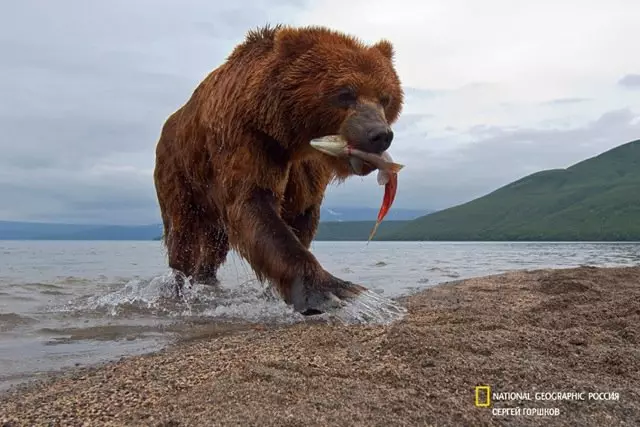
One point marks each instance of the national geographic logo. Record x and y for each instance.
(483, 396)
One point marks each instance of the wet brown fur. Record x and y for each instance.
(234, 168)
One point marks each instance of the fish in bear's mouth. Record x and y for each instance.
(335, 145)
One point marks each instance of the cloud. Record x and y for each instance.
(564, 101)
(631, 81)
(86, 89)
(492, 94)
(537, 50)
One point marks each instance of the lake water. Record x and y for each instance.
(65, 304)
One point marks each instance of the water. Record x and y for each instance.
(65, 304)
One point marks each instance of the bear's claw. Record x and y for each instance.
(344, 300)
(310, 298)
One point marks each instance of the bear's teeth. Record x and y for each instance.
(333, 145)
(356, 164)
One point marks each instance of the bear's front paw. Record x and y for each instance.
(346, 301)
(318, 295)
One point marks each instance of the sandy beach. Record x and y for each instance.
(533, 333)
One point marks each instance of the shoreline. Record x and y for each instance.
(531, 331)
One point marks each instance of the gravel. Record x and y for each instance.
(573, 330)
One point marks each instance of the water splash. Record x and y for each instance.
(245, 301)
(370, 308)
(152, 295)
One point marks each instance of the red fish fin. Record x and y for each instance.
(390, 189)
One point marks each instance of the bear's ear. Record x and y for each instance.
(292, 42)
(385, 48)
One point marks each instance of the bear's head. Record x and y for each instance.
(331, 83)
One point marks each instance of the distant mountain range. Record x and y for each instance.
(14, 230)
(10, 230)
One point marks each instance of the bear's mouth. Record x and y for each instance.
(357, 165)
(337, 146)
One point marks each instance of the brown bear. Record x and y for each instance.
(235, 168)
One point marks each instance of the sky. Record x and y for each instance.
(495, 90)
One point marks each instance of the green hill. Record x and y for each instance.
(353, 230)
(597, 199)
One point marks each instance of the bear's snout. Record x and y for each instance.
(380, 138)
(367, 130)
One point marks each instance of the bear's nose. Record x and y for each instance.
(380, 138)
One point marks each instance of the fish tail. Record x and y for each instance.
(396, 167)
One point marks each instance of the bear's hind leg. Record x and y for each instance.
(183, 251)
(214, 247)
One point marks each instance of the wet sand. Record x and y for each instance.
(572, 330)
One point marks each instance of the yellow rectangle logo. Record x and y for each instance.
(486, 402)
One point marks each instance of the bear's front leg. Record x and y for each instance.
(304, 225)
(262, 237)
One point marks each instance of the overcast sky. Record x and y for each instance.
(495, 90)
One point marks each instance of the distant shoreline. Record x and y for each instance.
(572, 329)
(328, 231)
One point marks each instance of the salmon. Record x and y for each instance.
(388, 170)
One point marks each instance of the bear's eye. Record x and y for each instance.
(346, 97)
(385, 100)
